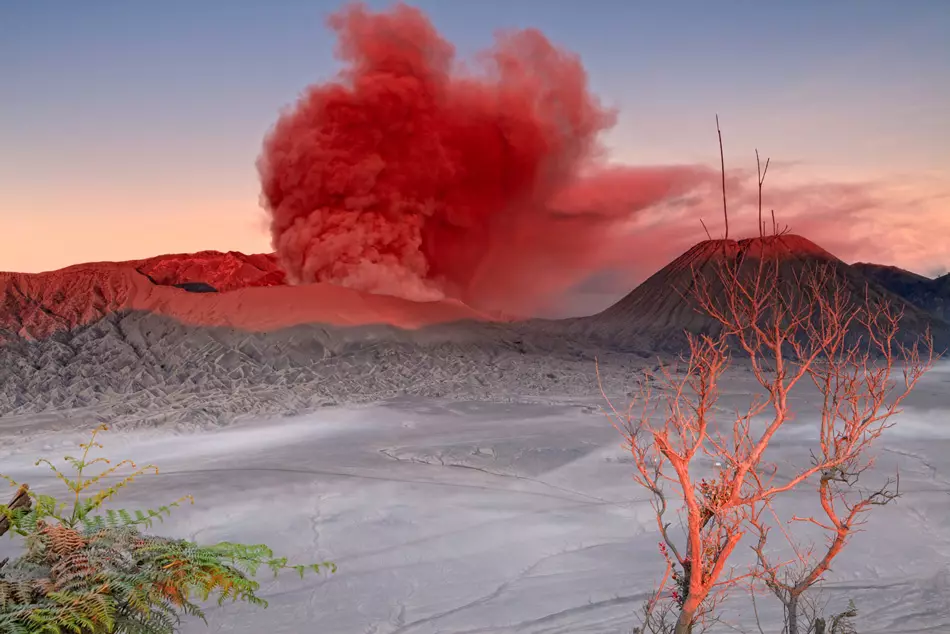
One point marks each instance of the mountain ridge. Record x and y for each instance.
(658, 312)
(931, 294)
(38, 305)
(250, 292)
(104, 342)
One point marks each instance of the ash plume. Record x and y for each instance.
(412, 174)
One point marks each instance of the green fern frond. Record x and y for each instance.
(94, 572)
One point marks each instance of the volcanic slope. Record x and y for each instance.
(932, 295)
(108, 342)
(104, 342)
(655, 315)
(36, 306)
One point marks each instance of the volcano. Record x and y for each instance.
(656, 315)
(202, 338)
(251, 293)
(209, 288)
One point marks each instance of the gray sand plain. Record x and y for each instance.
(448, 513)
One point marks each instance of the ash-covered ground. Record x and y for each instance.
(459, 486)
(141, 370)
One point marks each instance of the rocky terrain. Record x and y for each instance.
(156, 342)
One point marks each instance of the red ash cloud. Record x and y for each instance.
(414, 176)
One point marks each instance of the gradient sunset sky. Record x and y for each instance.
(130, 129)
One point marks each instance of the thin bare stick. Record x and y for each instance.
(755, 610)
(762, 173)
(705, 229)
(722, 163)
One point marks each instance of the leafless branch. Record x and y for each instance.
(762, 173)
(722, 162)
(793, 325)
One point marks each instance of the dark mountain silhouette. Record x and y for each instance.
(655, 315)
(932, 295)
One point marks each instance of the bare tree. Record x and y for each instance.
(843, 502)
(812, 610)
(790, 325)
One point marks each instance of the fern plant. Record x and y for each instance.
(89, 570)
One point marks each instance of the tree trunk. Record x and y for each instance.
(684, 624)
(791, 613)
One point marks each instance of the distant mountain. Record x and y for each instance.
(197, 338)
(932, 295)
(655, 315)
(202, 289)
(251, 293)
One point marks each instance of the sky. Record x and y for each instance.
(132, 129)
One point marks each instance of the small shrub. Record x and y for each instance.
(87, 570)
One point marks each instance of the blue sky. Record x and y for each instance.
(131, 128)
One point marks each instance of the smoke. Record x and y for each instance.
(414, 175)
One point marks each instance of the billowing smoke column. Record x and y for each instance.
(412, 176)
